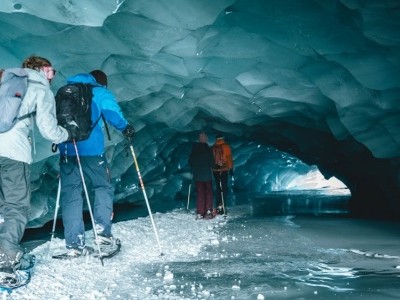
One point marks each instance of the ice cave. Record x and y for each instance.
(304, 91)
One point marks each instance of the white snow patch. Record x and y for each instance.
(126, 275)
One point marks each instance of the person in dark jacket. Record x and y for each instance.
(94, 166)
(201, 160)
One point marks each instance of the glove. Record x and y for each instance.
(73, 132)
(231, 172)
(128, 133)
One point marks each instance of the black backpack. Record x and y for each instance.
(74, 104)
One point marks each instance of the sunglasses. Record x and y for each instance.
(50, 72)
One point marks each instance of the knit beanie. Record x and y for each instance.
(100, 76)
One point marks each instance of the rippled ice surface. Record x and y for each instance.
(296, 258)
(255, 253)
(301, 258)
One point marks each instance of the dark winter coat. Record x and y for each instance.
(201, 160)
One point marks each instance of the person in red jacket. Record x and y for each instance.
(222, 168)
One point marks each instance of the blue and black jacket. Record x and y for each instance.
(103, 103)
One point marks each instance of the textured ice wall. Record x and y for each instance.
(317, 79)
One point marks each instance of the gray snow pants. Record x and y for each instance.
(15, 200)
(95, 168)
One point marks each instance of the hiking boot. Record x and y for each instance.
(26, 262)
(105, 241)
(5, 266)
(220, 210)
(6, 271)
(209, 215)
(78, 252)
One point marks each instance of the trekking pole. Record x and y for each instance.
(187, 206)
(56, 209)
(88, 201)
(145, 197)
(222, 194)
(55, 216)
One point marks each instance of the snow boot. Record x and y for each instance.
(220, 209)
(75, 253)
(209, 215)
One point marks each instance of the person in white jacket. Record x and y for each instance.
(15, 157)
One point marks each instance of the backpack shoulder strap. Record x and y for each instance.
(106, 126)
(104, 120)
(28, 115)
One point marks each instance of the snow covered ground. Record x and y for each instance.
(241, 257)
(128, 275)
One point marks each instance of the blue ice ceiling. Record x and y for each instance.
(318, 80)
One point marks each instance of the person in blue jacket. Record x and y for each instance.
(94, 166)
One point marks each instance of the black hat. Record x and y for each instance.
(100, 76)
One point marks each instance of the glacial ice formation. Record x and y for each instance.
(318, 80)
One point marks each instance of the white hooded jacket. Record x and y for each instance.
(15, 143)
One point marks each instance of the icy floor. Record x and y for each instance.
(241, 257)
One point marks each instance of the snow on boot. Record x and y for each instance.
(109, 246)
(209, 215)
(220, 210)
(75, 253)
(17, 275)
